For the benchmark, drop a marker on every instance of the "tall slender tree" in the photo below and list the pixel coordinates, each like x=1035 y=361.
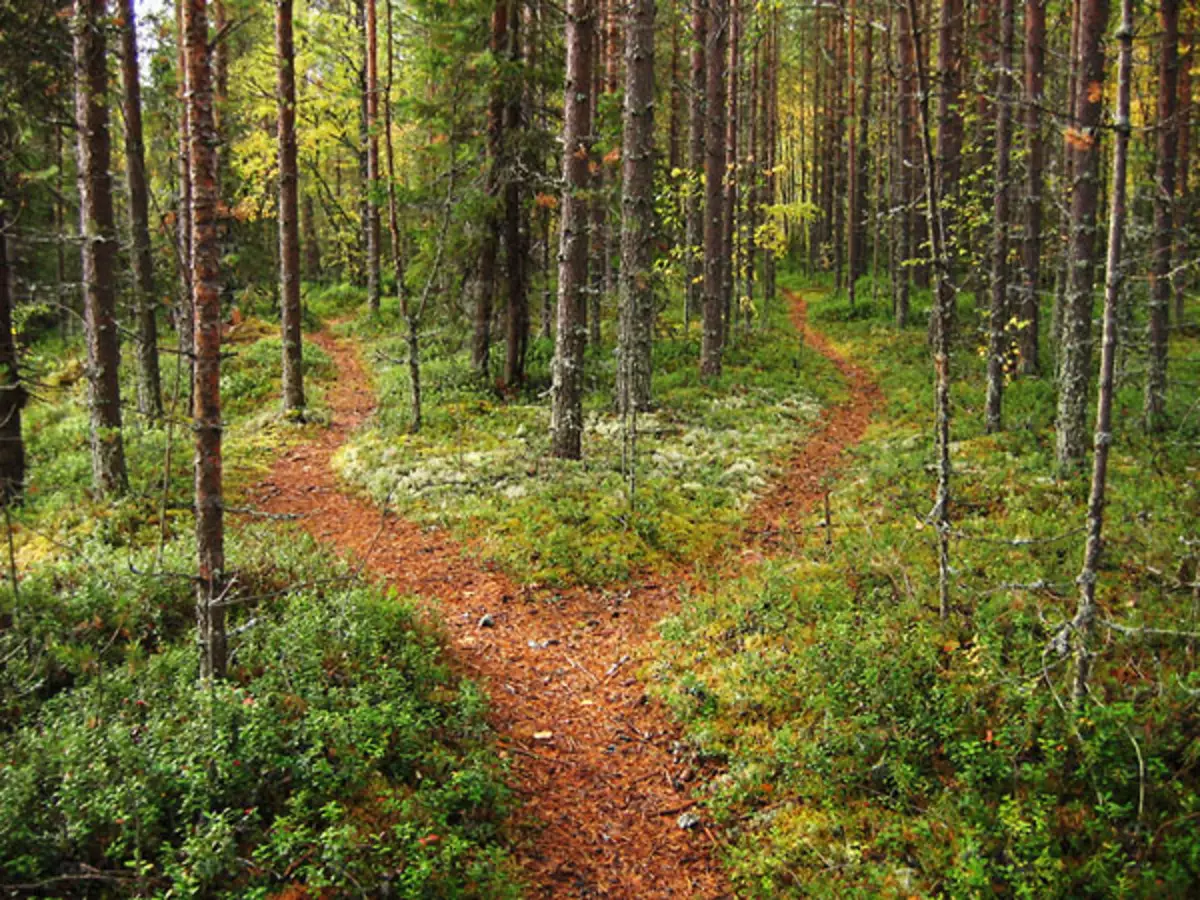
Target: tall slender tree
x=98 y=234
x=1031 y=241
x=715 y=251
x=12 y=391
x=372 y=186
x=566 y=414
x=637 y=211
x=149 y=390
x=1164 y=214
x=1084 y=141
x=998 y=338
x=1082 y=625
x=696 y=128
x=289 y=213
x=210 y=524
x=516 y=219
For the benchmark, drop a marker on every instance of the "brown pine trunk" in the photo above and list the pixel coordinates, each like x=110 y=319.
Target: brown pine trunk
x=1082 y=625
x=852 y=200
x=715 y=251
x=372 y=186
x=728 y=268
x=637 y=212
x=1031 y=244
x=566 y=414
x=858 y=236
x=1183 y=203
x=210 y=529
x=772 y=142
x=1077 y=319
x=516 y=231
x=696 y=127
x=951 y=25
x=490 y=250
x=184 y=313
x=99 y=247
x=289 y=224
x=598 y=265
x=149 y=383
x=674 y=157
x=12 y=391
x=312 y=241
x=904 y=174
x=998 y=339
x=1164 y=215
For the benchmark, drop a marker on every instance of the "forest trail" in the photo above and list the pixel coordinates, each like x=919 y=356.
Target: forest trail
x=594 y=761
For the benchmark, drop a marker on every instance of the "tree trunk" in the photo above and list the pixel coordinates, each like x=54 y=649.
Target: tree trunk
x=184 y=314
x=904 y=176
x=516 y=231
x=99 y=248
x=1164 y=215
x=637 y=211
x=715 y=252
x=1085 y=615
x=289 y=224
x=566 y=414
x=12 y=391
x=149 y=385
x=862 y=152
x=675 y=101
x=696 y=127
x=1031 y=244
x=372 y=186
x=312 y=241
x=490 y=250
x=210 y=529
x=998 y=338
x=1077 y=319
x=853 y=197
x=730 y=180
x=1183 y=203
x=943 y=309
x=772 y=143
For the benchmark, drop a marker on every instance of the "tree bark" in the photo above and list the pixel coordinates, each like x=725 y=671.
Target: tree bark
x=312 y=240
x=490 y=250
x=696 y=128
x=566 y=413
x=1077 y=321
x=184 y=314
x=289 y=224
x=372 y=186
x=516 y=230
x=1183 y=204
x=98 y=234
x=1031 y=244
x=12 y=390
x=853 y=196
x=1085 y=615
x=1164 y=215
x=210 y=528
x=637 y=212
x=715 y=252
x=731 y=175
x=998 y=339
x=149 y=382
x=904 y=175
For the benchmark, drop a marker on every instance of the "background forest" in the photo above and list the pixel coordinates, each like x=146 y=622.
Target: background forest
x=685 y=448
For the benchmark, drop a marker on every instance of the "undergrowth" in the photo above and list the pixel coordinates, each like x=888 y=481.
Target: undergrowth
x=481 y=465
x=871 y=749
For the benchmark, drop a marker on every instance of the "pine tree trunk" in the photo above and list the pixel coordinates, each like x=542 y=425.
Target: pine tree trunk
x=853 y=198
x=772 y=143
x=149 y=384
x=1031 y=244
x=12 y=391
x=696 y=128
x=1085 y=615
x=289 y=224
x=566 y=414
x=312 y=241
x=1183 y=202
x=858 y=237
x=184 y=314
x=516 y=229
x=372 y=186
x=715 y=252
x=637 y=212
x=99 y=247
x=998 y=338
x=1077 y=319
x=598 y=266
x=1164 y=215
x=904 y=176
x=730 y=180
x=210 y=530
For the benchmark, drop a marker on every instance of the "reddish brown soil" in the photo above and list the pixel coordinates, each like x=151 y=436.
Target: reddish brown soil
x=593 y=764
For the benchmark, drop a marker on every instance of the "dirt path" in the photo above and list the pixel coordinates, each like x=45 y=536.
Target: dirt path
x=592 y=758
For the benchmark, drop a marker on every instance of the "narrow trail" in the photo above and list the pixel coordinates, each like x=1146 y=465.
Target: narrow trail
x=593 y=759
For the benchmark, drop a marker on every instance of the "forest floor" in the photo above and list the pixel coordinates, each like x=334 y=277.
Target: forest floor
x=603 y=781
